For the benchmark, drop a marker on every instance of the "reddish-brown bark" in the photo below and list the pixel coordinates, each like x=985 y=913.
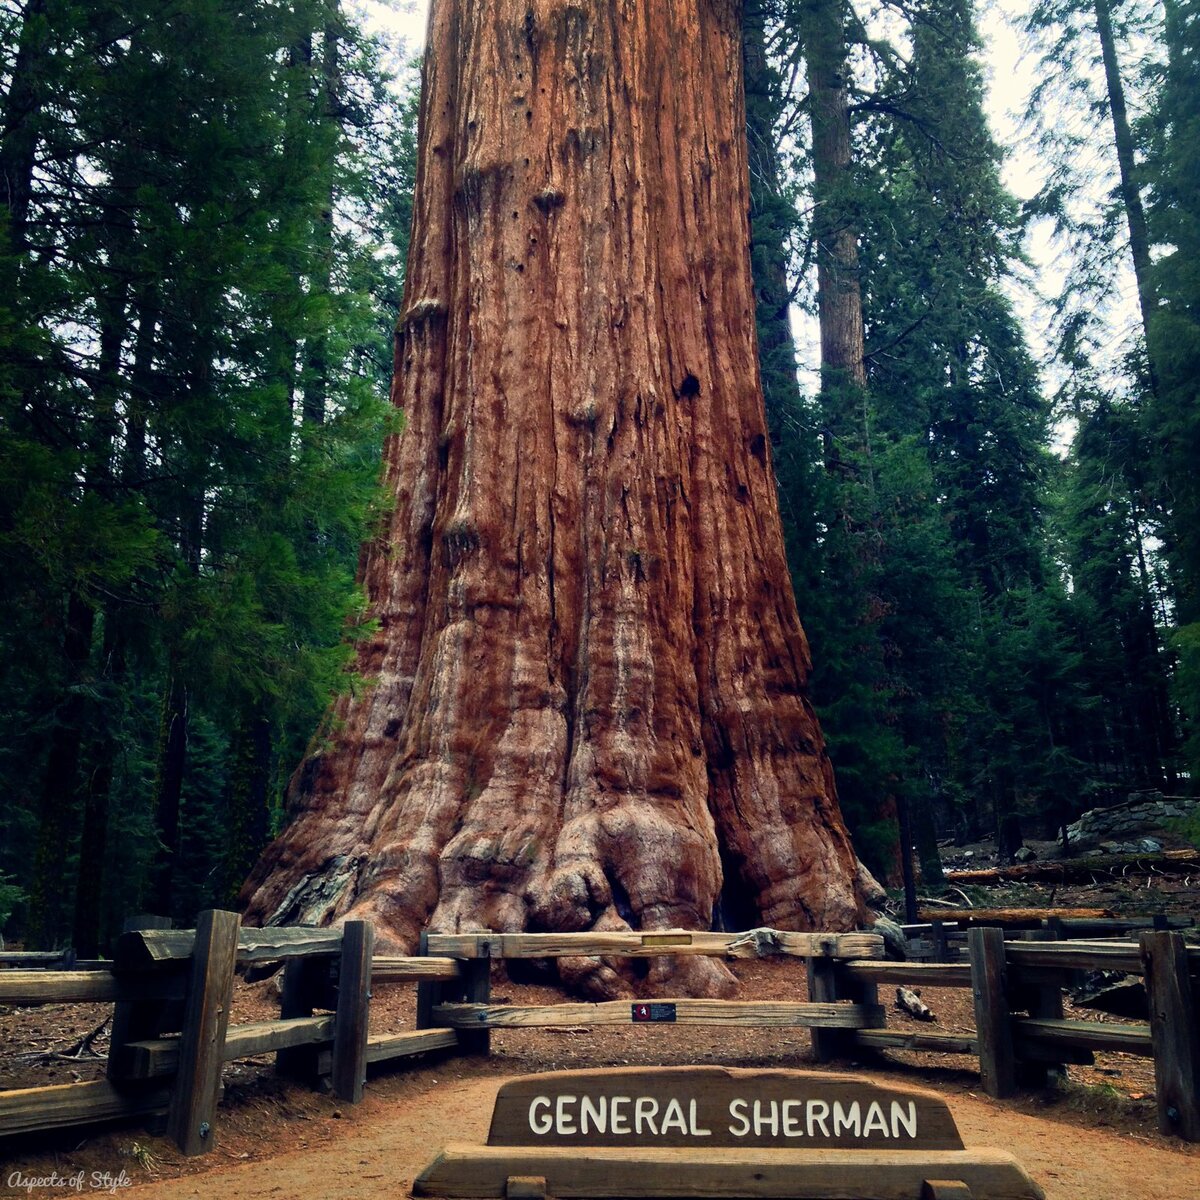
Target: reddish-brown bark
x=587 y=696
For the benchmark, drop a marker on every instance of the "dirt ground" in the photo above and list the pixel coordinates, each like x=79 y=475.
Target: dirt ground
x=1094 y=1138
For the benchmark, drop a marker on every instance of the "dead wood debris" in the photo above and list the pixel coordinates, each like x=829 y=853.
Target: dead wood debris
x=910 y=1001
x=80 y=1050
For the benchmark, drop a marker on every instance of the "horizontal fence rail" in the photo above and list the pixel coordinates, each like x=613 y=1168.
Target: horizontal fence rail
x=28 y=988
x=675 y=1012
x=1090 y=956
x=758 y=943
x=149 y=948
x=1087 y=1035
x=944 y=938
x=910 y=974
x=31 y=1110
x=903 y=1039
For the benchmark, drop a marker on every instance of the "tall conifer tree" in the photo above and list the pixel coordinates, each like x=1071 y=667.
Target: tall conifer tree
x=183 y=542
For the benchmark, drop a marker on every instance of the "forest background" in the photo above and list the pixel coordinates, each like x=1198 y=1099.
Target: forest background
x=992 y=519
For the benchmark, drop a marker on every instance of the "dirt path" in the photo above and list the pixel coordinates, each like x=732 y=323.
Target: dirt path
x=379 y=1155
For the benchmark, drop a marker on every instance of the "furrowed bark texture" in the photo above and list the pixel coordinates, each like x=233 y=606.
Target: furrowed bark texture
x=589 y=676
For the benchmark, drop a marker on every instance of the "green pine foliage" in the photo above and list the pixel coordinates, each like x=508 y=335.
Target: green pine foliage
x=1071 y=119
x=1127 y=734
x=950 y=371
x=1173 y=421
x=196 y=354
x=985 y=614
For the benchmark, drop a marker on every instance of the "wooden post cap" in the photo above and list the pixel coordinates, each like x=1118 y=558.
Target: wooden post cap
x=945 y=1189
x=525 y=1187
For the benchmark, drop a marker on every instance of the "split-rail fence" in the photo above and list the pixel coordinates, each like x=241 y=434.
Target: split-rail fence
x=172 y=991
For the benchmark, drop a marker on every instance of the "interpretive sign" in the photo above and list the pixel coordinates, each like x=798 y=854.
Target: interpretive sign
x=647 y=1011
x=712 y=1107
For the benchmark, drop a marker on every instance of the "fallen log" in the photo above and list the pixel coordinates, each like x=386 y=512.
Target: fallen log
x=1118 y=994
x=910 y=1002
x=1032 y=917
x=1082 y=870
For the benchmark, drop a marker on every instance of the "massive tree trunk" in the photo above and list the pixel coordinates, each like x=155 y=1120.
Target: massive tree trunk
x=587 y=687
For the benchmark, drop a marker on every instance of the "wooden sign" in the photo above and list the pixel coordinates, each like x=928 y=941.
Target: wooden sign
x=675 y=1133
x=710 y=1107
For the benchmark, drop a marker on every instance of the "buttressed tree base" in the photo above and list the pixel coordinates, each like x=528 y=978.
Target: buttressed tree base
x=586 y=703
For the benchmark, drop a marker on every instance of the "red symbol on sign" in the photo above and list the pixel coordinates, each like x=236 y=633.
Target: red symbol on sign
x=641 y=1012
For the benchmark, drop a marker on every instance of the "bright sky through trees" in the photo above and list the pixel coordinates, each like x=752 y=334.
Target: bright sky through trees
x=407 y=18
x=1010 y=80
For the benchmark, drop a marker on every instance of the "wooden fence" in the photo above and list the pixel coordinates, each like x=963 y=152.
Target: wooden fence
x=1020 y=1030
x=172 y=989
x=1021 y=1034
x=945 y=940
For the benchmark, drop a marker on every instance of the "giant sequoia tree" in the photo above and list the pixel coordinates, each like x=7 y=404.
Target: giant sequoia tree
x=586 y=696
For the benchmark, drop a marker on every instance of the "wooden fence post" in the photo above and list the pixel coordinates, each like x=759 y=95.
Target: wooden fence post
x=306 y=986
x=477 y=989
x=823 y=988
x=134 y=1020
x=353 y=1011
x=827 y=982
x=993 y=1024
x=429 y=991
x=474 y=986
x=1044 y=999
x=941 y=947
x=202 y=1041
x=1174 y=1033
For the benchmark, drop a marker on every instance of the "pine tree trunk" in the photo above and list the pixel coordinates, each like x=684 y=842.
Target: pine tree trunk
x=777 y=347
x=316 y=376
x=98 y=762
x=22 y=112
x=58 y=810
x=1160 y=742
x=247 y=797
x=168 y=793
x=1131 y=196
x=589 y=674
x=65 y=792
x=97 y=793
x=839 y=292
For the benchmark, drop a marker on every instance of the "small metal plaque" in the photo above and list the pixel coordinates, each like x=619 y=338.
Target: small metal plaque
x=666 y=939
x=653 y=1012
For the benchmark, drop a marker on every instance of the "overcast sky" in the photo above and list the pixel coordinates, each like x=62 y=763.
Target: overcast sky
x=405 y=17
